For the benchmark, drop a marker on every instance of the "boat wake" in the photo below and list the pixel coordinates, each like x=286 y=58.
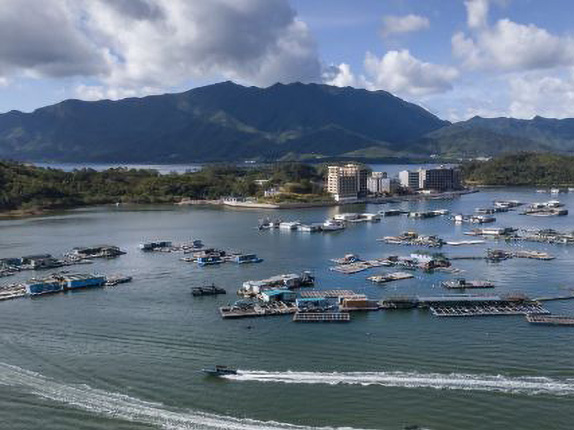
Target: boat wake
x=440 y=381
x=120 y=406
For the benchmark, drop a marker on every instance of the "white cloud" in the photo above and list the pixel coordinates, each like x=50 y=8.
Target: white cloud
x=549 y=96
x=400 y=72
x=509 y=46
x=132 y=46
x=477 y=13
x=404 y=24
x=342 y=76
x=46 y=40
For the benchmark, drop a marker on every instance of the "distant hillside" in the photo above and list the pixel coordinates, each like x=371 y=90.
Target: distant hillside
x=491 y=136
x=220 y=122
x=523 y=168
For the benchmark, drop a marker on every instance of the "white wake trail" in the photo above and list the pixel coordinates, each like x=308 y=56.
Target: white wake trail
x=119 y=406
x=452 y=381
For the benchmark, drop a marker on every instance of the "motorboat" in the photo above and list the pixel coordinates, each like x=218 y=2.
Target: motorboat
x=219 y=370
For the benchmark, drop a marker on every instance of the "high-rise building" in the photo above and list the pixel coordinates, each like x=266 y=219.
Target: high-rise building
x=379 y=183
x=347 y=182
x=440 y=179
x=436 y=179
x=409 y=179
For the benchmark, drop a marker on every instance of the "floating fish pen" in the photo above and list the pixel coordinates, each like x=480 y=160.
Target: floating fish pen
x=546 y=236
x=168 y=246
x=463 y=284
x=464 y=305
x=396 y=276
x=497 y=255
x=248 y=310
x=491 y=211
x=322 y=317
x=399 y=302
x=392 y=212
x=12 y=291
x=536 y=255
x=352 y=268
x=546 y=212
x=359 y=302
x=507 y=204
x=428 y=214
x=562 y=320
x=465 y=242
x=289 y=281
x=347 y=259
x=317 y=294
x=414 y=239
x=97 y=251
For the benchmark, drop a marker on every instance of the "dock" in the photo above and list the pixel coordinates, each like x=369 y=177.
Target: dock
x=322 y=317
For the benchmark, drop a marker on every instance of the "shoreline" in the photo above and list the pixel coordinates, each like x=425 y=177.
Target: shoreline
x=303 y=205
x=28 y=213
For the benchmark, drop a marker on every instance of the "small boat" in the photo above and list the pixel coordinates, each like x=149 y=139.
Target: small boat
x=208 y=290
x=219 y=370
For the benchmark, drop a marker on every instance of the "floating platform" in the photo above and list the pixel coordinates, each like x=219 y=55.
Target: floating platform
x=396 y=276
x=463 y=284
x=352 y=268
x=327 y=294
x=257 y=310
x=14 y=291
x=322 y=317
x=563 y=320
x=491 y=309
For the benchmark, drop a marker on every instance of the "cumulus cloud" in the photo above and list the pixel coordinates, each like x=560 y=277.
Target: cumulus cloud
x=477 y=13
x=131 y=46
x=549 y=96
x=509 y=46
x=404 y=24
x=46 y=41
x=398 y=72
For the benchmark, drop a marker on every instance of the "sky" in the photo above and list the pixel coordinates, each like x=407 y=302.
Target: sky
x=456 y=58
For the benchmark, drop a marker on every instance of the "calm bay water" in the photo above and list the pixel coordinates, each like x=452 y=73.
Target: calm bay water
x=128 y=357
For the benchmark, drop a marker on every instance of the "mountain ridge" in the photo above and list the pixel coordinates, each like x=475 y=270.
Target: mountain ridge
x=231 y=122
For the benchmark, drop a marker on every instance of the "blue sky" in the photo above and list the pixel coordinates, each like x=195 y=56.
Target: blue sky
x=457 y=58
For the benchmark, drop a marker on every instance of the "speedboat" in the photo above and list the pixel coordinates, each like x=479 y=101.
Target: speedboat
x=219 y=370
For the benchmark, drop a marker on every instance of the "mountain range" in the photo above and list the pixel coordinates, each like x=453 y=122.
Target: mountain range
x=230 y=122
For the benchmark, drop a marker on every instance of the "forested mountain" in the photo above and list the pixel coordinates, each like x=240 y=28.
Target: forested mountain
x=220 y=122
